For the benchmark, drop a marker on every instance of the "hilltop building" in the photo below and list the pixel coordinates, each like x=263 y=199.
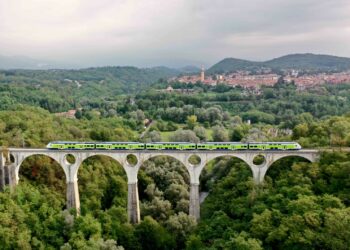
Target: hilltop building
x=202 y=75
x=170 y=89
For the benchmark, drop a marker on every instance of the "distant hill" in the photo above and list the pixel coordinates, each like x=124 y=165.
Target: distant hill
x=22 y=62
x=233 y=64
x=27 y=63
x=310 y=61
x=189 y=69
x=26 y=66
x=124 y=79
x=131 y=75
x=296 y=61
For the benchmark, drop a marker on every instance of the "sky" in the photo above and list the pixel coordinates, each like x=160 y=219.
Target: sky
x=173 y=33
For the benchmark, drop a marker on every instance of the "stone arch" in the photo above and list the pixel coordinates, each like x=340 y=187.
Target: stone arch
x=218 y=156
x=110 y=156
x=19 y=158
x=59 y=173
x=109 y=194
x=206 y=158
x=308 y=157
x=182 y=158
x=179 y=201
x=81 y=156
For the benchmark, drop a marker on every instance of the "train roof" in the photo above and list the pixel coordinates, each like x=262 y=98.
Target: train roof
x=118 y=142
x=80 y=142
x=228 y=142
x=274 y=142
x=111 y=142
x=167 y=142
x=95 y=142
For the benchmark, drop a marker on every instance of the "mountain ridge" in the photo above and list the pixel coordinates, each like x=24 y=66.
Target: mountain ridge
x=300 y=61
x=24 y=62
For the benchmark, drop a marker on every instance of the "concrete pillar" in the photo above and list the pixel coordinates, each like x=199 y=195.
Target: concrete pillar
x=133 y=203
x=194 y=201
x=13 y=183
x=73 y=199
x=195 y=172
x=259 y=172
x=70 y=171
x=8 y=176
x=133 y=193
x=2 y=172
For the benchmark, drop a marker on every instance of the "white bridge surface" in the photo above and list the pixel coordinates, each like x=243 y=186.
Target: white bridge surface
x=9 y=169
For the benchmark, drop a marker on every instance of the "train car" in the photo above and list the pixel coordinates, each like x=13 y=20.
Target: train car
x=222 y=146
x=120 y=145
x=171 y=146
x=274 y=146
x=69 y=145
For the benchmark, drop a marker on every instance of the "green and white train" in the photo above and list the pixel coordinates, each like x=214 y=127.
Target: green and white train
x=71 y=145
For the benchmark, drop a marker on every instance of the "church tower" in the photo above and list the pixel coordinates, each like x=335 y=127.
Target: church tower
x=202 y=75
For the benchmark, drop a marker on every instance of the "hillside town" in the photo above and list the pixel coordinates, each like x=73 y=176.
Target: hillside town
x=248 y=79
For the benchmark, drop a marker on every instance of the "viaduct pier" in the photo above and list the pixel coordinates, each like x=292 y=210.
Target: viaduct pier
x=9 y=169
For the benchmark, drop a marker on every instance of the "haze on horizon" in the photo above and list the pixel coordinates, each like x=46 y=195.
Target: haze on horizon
x=172 y=33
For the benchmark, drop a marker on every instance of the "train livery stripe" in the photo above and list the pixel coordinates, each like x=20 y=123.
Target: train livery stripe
x=62 y=145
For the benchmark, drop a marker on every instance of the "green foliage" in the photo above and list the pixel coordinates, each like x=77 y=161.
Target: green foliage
x=104 y=183
x=328 y=132
x=153 y=236
x=191 y=121
x=201 y=133
x=256 y=116
x=31 y=218
x=184 y=136
x=220 y=134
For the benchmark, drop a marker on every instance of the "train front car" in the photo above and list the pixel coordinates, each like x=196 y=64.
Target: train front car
x=289 y=146
x=274 y=146
x=296 y=146
x=55 y=145
x=51 y=145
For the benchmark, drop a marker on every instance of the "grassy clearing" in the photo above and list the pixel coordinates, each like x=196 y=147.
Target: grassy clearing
x=209 y=133
x=166 y=135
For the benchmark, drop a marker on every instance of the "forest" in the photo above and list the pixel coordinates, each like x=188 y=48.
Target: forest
x=300 y=205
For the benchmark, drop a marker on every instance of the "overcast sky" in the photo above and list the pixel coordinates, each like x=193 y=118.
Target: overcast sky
x=171 y=32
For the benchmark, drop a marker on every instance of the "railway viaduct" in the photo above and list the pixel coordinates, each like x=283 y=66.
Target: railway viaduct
x=9 y=169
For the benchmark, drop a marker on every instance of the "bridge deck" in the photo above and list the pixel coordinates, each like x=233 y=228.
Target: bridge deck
x=44 y=150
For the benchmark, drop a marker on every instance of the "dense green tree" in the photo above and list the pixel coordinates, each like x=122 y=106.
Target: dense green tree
x=184 y=136
x=200 y=132
x=220 y=134
x=153 y=236
x=191 y=121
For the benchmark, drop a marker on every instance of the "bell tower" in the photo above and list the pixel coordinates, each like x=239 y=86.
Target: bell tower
x=202 y=74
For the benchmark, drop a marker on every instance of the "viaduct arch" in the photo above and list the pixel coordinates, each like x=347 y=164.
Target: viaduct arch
x=9 y=171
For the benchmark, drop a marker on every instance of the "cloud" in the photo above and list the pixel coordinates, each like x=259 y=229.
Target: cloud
x=144 y=33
